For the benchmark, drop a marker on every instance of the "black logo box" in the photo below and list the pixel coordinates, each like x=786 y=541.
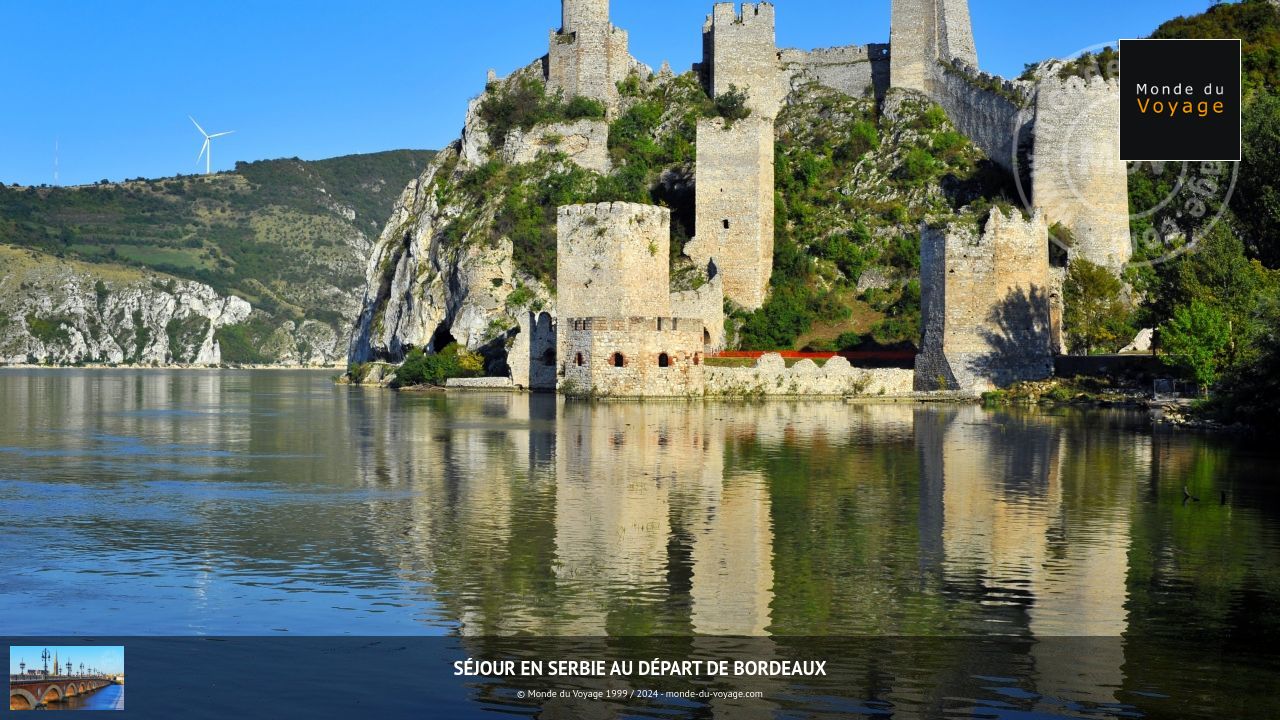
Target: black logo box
x=1190 y=65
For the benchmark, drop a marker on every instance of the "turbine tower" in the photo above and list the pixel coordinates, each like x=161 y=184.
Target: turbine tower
x=206 y=150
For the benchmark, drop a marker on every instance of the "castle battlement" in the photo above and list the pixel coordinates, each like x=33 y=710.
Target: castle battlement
x=758 y=14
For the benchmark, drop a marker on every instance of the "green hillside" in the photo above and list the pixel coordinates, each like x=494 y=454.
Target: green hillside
x=289 y=236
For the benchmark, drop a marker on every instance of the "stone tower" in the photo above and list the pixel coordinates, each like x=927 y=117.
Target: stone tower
x=735 y=206
x=739 y=49
x=986 y=305
x=923 y=32
x=588 y=56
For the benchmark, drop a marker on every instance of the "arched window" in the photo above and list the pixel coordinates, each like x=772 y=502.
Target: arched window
x=706 y=336
x=579 y=360
x=726 y=223
x=549 y=357
x=664 y=360
x=618 y=360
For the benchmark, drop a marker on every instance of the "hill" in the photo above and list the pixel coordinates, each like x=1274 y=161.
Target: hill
x=290 y=237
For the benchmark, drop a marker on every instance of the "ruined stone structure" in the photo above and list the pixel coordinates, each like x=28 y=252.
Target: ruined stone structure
x=734 y=206
x=588 y=56
x=856 y=70
x=616 y=333
x=985 y=305
x=584 y=142
x=1060 y=136
x=739 y=50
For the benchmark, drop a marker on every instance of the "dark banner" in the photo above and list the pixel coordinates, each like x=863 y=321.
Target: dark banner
x=458 y=677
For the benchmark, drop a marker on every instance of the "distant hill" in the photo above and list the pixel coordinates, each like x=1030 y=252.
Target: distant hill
x=291 y=237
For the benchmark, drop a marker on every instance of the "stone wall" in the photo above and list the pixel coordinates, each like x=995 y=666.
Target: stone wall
x=998 y=122
x=852 y=69
x=588 y=56
x=1078 y=178
x=837 y=378
x=707 y=304
x=735 y=206
x=531 y=356
x=633 y=357
x=740 y=50
x=584 y=141
x=985 y=305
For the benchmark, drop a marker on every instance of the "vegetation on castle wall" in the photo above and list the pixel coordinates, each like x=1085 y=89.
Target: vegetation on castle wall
x=524 y=103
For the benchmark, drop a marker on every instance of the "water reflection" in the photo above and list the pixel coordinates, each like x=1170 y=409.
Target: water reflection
x=274 y=502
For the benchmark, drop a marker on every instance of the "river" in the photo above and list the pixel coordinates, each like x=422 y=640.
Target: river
x=277 y=503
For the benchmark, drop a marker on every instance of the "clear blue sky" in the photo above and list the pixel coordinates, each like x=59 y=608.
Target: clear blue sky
x=112 y=83
x=109 y=659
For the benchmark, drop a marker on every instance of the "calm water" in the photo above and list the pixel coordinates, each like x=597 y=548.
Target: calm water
x=273 y=503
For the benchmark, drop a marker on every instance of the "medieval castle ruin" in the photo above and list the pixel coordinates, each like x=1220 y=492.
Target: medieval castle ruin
x=990 y=299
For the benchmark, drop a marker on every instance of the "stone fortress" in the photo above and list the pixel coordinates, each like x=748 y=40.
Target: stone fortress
x=990 y=300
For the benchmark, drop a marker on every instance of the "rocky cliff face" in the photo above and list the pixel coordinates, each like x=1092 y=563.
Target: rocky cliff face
x=70 y=312
x=426 y=288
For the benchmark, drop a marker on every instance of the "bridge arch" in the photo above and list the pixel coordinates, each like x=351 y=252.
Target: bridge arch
x=70 y=690
x=20 y=699
x=52 y=694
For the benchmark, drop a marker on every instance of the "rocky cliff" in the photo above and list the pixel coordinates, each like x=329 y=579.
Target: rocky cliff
x=271 y=255
x=60 y=311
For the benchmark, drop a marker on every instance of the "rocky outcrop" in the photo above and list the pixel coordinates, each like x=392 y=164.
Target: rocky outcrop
x=69 y=312
x=426 y=288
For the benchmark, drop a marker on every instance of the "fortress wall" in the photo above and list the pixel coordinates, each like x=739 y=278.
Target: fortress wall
x=531 y=355
x=997 y=122
x=744 y=53
x=584 y=141
x=707 y=304
x=590 y=58
x=837 y=378
x=735 y=208
x=985 y=305
x=593 y=342
x=850 y=69
x=1078 y=178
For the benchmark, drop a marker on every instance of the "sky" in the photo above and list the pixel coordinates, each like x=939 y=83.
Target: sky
x=103 y=89
x=108 y=658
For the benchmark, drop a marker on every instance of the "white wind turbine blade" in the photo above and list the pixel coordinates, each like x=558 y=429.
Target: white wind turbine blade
x=221 y=134
x=203 y=148
x=193 y=122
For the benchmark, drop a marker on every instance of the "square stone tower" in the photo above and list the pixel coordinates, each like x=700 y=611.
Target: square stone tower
x=735 y=206
x=921 y=33
x=739 y=49
x=588 y=56
x=986 y=305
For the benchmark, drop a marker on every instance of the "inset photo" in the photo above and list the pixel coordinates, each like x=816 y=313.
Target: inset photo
x=66 y=677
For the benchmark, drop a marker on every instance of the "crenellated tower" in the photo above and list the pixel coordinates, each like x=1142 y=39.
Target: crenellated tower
x=924 y=32
x=739 y=49
x=588 y=56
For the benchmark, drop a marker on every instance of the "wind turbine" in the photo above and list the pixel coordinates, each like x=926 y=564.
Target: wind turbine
x=206 y=150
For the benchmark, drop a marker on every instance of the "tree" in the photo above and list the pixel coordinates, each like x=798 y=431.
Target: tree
x=1257 y=196
x=732 y=105
x=1097 y=315
x=1195 y=342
